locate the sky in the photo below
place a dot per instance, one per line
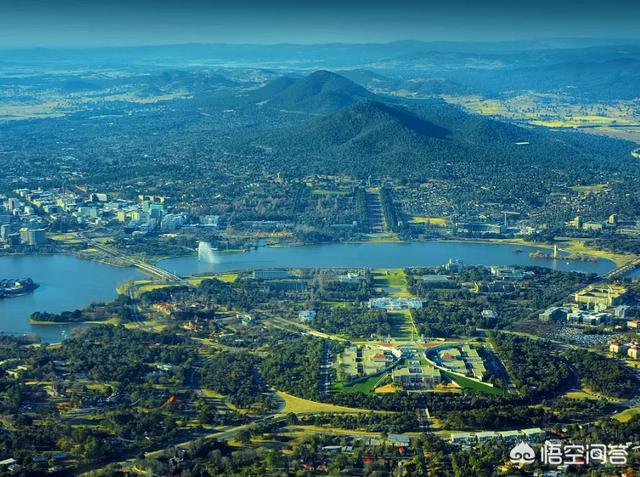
(94, 23)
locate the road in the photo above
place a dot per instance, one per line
(302, 329)
(423, 415)
(623, 270)
(142, 265)
(325, 371)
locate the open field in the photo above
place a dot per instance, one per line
(581, 247)
(387, 388)
(395, 280)
(386, 237)
(394, 283)
(402, 326)
(627, 414)
(586, 394)
(301, 432)
(223, 277)
(70, 237)
(572, 246)
(337, 304)
(474, 385)
(366, 387)
(154, 325)
(296, 405)
(620, 119)
(329, 193)
(435, 221)
(150, 286)
(590, 188)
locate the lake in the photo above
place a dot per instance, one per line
(634, 274)
(66, 283)
(376, 255)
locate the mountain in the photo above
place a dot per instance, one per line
(369, 79)
(320, 92)
(435, 140)
(607, 80)
(417, 86)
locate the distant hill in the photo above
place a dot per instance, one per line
(418, 86)
(435, 140)
(433, 86)
(320, 92)
(608, 80)
(369, 79)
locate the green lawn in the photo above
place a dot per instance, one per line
(329, 193)
(392, 278)
(627, 414)
(366, 386)
(337, 304)
(401, 325)
(474, 385)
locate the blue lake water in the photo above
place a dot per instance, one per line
(66, 283)
(634, 274)
(376, 255)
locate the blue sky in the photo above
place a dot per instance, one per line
(83, 23)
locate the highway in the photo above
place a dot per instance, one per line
(624, 269)
(144, 266)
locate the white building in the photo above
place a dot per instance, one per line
(395, 303)
(306, 316)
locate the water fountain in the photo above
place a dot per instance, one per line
(206, 253)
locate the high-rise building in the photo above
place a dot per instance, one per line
(6, 230)
(24, 235)
(12, 204)
(37, 237)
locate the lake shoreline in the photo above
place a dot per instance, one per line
(375, 254)
(565, 244)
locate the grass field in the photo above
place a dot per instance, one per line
(435, 221)
(71, 237)
(337, 304)
(387, 237)
(394, 279)
(366, 387)
(296, 405)
(300, 432)
(328, 193)
(590, 188)
(394, 283)
(150, 287)
(209, 393)
(581, 247)
(627, 414)
(572, 246)
(402, 326)
(474, 385)
(223, 277)
(387, 388)
(612, 118)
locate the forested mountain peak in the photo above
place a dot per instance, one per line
(433, 140)
(372, 117)
(319, 92)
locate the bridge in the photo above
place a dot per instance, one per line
(142, 265)
(624, 269)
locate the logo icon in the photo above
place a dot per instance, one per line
(523, 453)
